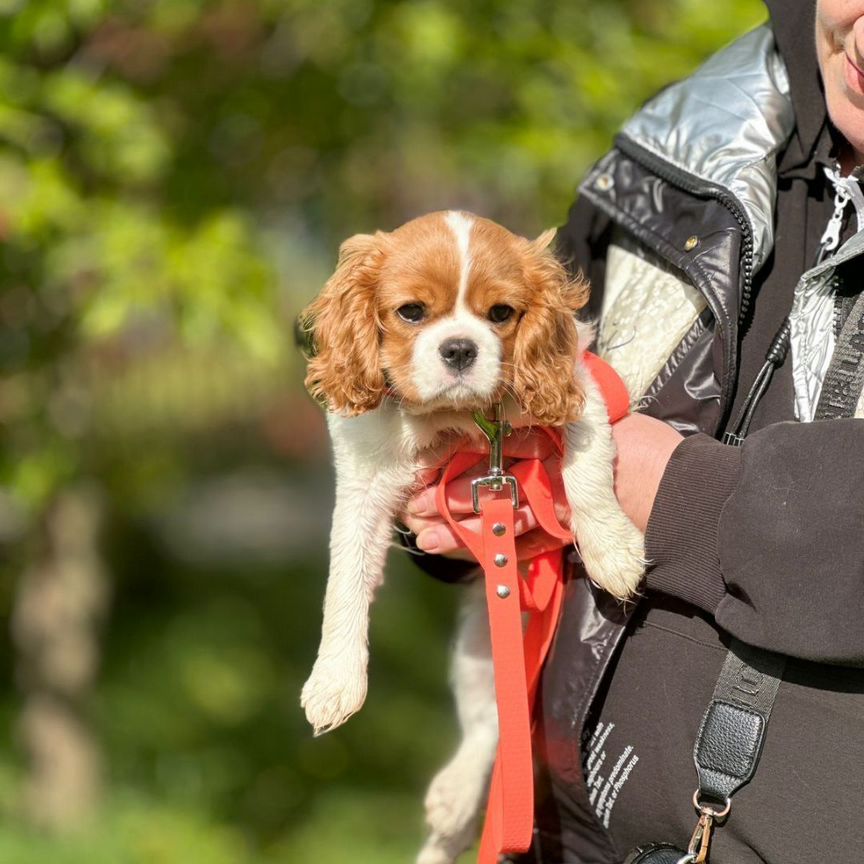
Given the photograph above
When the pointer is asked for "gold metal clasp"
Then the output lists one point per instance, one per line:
(701, 838)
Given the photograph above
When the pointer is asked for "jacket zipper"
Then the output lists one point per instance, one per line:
(830, 241)
(702, 188)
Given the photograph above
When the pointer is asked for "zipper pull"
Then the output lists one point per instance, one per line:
(830, 239)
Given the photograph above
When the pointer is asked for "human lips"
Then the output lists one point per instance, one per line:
(853, 75)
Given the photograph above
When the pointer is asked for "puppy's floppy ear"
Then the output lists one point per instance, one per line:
(544, 241)
(546, 345)
(344, 370)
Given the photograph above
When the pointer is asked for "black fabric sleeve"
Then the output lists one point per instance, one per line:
(681, 540)
(440, 567)
(777, 526)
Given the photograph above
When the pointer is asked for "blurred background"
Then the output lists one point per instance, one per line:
(175, 178)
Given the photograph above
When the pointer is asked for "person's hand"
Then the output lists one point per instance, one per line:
(435, 536)
(644, 447)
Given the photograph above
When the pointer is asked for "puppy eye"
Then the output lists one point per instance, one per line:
(500, 313)
(413, 313)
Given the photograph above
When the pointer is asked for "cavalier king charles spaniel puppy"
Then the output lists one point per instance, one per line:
(417, 329)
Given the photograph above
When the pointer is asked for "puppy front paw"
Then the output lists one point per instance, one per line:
(444, 850)
(336, 689)
(453, 805)
(613, 551)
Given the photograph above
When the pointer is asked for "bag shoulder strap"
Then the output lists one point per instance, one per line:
(733, 727)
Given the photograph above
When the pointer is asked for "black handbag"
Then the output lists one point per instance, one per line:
(656, 853)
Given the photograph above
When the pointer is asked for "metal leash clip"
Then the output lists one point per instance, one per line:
(496, 431)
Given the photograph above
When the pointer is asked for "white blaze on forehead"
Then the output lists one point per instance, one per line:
(461, 226)
(434, 378)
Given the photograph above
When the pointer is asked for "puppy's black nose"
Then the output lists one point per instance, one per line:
(458, 353)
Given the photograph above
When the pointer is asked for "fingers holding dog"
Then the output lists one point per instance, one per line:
(435, 536)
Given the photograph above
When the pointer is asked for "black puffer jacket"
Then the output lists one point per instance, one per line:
(762, 542)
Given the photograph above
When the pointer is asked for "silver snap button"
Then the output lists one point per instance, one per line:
(691, 243)
(502, 591)
(499, 529)
(605, 182)
(501, 559)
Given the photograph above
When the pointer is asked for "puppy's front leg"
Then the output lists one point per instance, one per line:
(457, 792)
(370, 483)
(611, 546)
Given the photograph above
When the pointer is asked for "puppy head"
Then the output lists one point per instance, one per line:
(448, 311)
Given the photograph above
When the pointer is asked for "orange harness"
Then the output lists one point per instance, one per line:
(518, 655)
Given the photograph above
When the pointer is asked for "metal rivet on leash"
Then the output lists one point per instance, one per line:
(503, 592)
(501, 559)
(499, 529)
(691, 243)
(604, 182)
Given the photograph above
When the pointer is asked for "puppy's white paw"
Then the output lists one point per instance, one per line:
(613, 551)
(435, 853)
(336, 689)
(456, 795)
(446, 849)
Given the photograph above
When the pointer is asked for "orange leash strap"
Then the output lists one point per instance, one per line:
(518, 655)
(510, 814)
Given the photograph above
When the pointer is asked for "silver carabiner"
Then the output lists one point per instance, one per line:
(496, 431)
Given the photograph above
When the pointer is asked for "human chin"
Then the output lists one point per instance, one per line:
(839, 48)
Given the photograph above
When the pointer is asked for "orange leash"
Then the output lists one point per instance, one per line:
(518, 655)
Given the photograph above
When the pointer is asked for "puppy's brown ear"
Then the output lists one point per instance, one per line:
(344, 370)
(544, 241)
(546, 345)
(547, 273)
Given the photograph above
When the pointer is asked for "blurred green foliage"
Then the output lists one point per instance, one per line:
(175, 176)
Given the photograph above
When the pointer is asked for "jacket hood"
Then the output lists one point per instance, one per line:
(792, 22)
